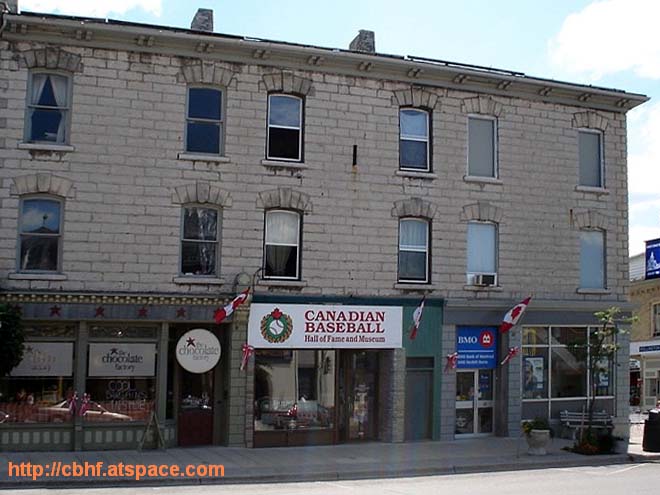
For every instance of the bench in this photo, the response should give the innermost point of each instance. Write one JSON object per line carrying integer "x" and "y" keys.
{"x": 576, "y": 421}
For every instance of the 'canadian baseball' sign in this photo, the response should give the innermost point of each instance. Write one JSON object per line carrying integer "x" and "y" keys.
{"x": 297, "y": 326}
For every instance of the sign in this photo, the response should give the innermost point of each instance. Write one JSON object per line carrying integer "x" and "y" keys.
{"x": 304, "y": 326}
{"x": 649, "y": 348}
{"x": 120, "y": 359}
{"x": 476, "y": 347}
{"x": 45, "y": 359}
{"x": 198, "y": 351}
{"x": 653, "y": 259}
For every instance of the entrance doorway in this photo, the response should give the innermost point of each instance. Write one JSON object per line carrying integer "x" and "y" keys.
{"x": 474, "y": 411}
{"x": 358, "y": 396}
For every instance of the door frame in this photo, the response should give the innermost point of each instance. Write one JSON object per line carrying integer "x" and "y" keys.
{"x": 477, "y": 404}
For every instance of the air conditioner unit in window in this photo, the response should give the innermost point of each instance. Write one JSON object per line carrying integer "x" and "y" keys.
{"x": 484, "y": 279}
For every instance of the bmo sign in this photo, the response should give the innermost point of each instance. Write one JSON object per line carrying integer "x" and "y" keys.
{"x": 476, "y": 347}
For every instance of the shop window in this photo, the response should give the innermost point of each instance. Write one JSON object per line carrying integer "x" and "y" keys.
{"x": 481, "y": 253}
{"x": 535, "y": 373}
{"x": 294, "y": 390}
{"x": 285, "y": 128}
{"x": 48, "y": 108}
{"x": 282, "y": 245}
{"x": 414, "y": 140}
{"x": 655, "y": 317}
{"x": 591, "y": 158}
{"x": 592, "y": 259}
{"x": 40, "y": 238}
{"x": 199, "y": 241}
{"x": 569, "y": 374}
{"x": 413, "y": 250}
{"x": 204, "y": 122}
{"x": 482, "y": 147}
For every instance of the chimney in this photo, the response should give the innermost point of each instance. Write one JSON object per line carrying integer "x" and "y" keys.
{"x": 365, "y": 41}
{"x": 203, "y": 20}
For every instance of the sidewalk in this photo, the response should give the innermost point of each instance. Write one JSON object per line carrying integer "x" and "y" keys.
{"x": 349, "y": 461}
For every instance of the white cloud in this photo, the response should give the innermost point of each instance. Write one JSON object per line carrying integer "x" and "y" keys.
{"x": 90, "y": 8}
{"x": 644, "y": 150}
{"x": 608, "y": 37}
{"x": 637, "y": 237}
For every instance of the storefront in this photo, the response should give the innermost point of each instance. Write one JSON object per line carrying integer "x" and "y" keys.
{"x": 648, "y": 374}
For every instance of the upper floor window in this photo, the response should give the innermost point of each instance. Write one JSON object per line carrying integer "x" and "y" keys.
{"x": 482, "y": 146}
{"x": 48, "y": 108}
{"x": 592, "y": 259}
{"x": 414, "y": 141}
{"x": 204, "y": 121}
{"x": 40, "y": 234}
{"x": 655, "y": 317}
{"x": 282, "y": 244}
{"x": 591, "y": 158}
{"x": 199, "y": 241}
{"x": 482, "y": 253}
{"x": 285, "y": 128}
{"x": 413, "y": 250}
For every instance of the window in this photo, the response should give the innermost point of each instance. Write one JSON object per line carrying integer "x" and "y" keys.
{"x": 413, "y": 250}
{"x": 48, "y": 108}
{"x": 414, "y": 139}
{"x": 482, "y": 147}
{"x": 481, "y": 249}
{"x": 40, "y": 237}
{"x": 592, "y": 259}
{"x": 204, "y": 123}
{"x": 282, "y": 245}
{"x": 284, "y": 127}
{"x": 199, "y": 241}
{"x": 655, "y": 317}
{"x": 591, "y": 158}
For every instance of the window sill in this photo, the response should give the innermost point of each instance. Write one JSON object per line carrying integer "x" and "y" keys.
{"x": 38, "y": 276}
{"x": 198, "y": 281}
{"x": 594, "y": 291}
{"x": 592, "y": 190}
{"x": 291, "y": 284}
{"x": 413, "y": 286}
{"x": 416, "y": 175}
{"x": 60, "y": 148}
{"x": 200, "y": 157}
{"x": 286, "y": 165}
{"x": 483, "y": 288}
{"x": 482, "y": 180}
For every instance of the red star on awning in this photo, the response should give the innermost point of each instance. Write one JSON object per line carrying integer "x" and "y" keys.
{"x": 181, "y": 313}
{"x": 142, "y": 312}
{"x": 55, "y": 310}
{"x": 100, "y": 311}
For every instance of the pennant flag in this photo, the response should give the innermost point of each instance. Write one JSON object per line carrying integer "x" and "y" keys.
{"x": 417, "y": 318}
{"x": 452, "y": 361}
{"x": 222, "y": 313}
{"x": 509, "y": 356}
{"x": 513, "y": 315}
{"x": 248, "y": 350}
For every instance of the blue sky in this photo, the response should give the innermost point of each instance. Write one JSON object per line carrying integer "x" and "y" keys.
{"x": 611, "y": 43}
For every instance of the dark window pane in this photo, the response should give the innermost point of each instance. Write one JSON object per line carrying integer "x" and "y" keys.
{"x": 569, "y": 336}
{"x": 204, "y": 103}
{"x": 281, "y": 261}
{"x": 39, "y": 253}
{"x": 284, "y": 110}
{"x": 481, "y": 148}
{"x": 47, "y": 96}
{"x": 284, "y": 143}
{"x": 203, "y": 137}
{"x": 413, "y": 154}
{"x": 198, "y": 258}
{"x": 412, "y": 265}
{"x": 589, "y": 143}
{"x": 569, "y": 374}
{"x": 200, "y": 224}
{"x": 45, "y": 125}
{"x": 40, "y": 216}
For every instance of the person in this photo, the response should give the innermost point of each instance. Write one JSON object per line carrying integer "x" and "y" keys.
{"x": 531, "y": 383}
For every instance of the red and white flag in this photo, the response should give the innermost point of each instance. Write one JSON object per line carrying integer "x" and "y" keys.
{"x": 513, "y": 315}
{"x": 222, "y": 313}
{"x": 417, "y": 318}
{"x": 513, "y": 351}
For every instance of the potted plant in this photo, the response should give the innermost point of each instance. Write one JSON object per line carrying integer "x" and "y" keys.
{"x": 537, "y": 434}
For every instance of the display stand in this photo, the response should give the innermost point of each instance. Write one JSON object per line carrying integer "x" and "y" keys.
{"x": 151, "y": 424}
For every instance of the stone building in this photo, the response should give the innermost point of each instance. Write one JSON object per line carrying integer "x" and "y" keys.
{"x": 150, "y": 174}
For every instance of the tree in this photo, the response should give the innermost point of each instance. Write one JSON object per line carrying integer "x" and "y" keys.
{"x": 11, "y": 338}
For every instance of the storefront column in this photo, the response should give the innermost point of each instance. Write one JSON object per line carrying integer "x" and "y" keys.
{"x": 80, "y": 376}
{"x": 622, "y": 385}
{"x": 511, "y": 375}
{"x": 393, "y": 397}
{"x": 240, "y": 409}
{"x": 161, "y": 374}
{"x": 448, "y": 394}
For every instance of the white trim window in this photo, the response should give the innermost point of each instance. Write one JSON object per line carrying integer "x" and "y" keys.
{"x": 40, "y": 234}
{"x": 590, "y": 144}
{"x": 414, "y": 140}
{"x": 285, "y": 128}
{"x": 482, "y": 146}
{"x": 199, "y": 241}
{"x": 413, "y": 250}
{"x": 282, "y": 243}
{"x": 655, "y": 318}
{"x": 481, "y": 250}
{"x": 592, "y": 259}
{"x": 204, "y": 121}
{"x": 48, "y": 107}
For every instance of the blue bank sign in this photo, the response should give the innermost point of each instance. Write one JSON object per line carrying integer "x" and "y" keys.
{"x": 653, "y": 258}
{"x": 476, "y": 347}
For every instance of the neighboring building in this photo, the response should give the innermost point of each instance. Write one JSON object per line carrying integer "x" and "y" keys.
{"x": 149, "y": 174}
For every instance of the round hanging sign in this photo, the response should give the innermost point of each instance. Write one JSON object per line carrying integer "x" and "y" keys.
{"x": 198, "y": 351}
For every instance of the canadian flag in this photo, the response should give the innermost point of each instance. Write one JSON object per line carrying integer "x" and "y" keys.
{"x": 513, "y": 315}
{"x": 222, "y": 313}
{"x": 417, "y": 318}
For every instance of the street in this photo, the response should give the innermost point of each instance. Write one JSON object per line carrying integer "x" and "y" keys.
{"x": 606, "y": 480}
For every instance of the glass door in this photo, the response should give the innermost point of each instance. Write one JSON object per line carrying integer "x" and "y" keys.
{"x": 474, "y": 411}
{"x": 358, "y": 396}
